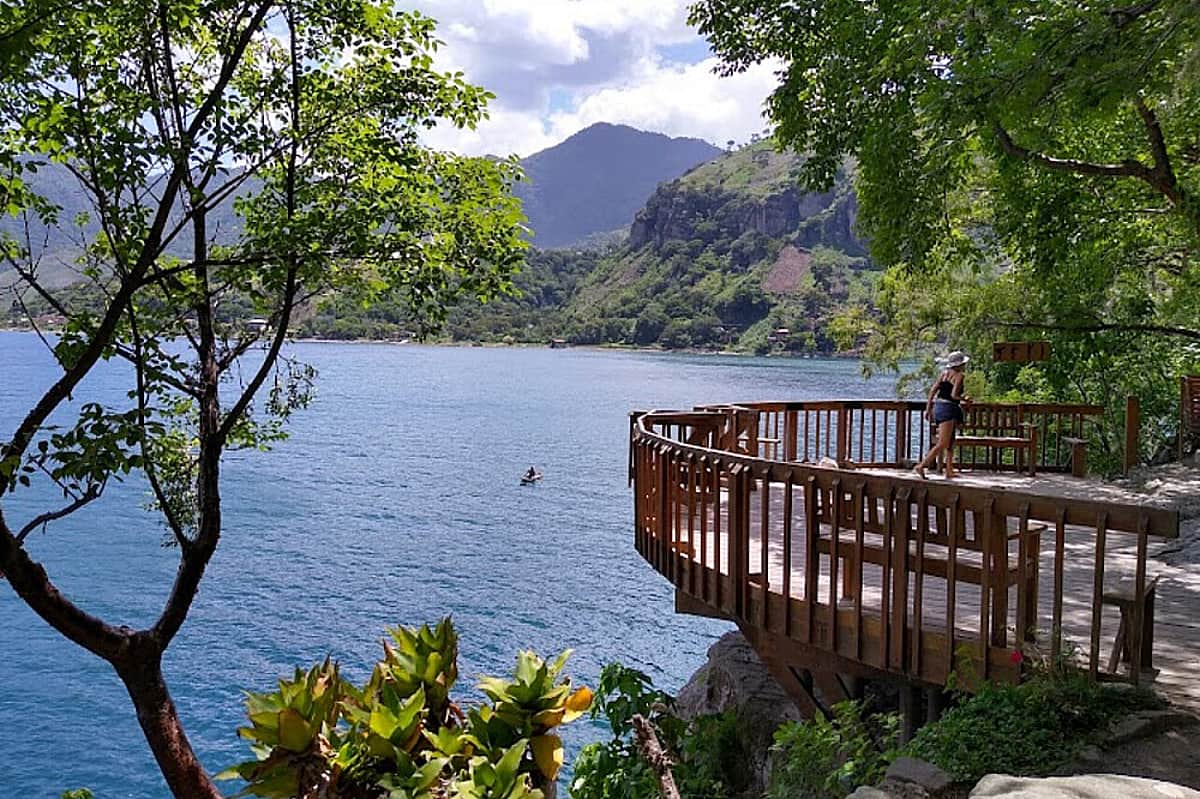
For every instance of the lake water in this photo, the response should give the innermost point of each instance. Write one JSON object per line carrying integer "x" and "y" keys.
{"x": 395, "y": 501}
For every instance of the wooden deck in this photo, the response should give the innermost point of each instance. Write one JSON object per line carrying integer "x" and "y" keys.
{"x": 872, "y": 571}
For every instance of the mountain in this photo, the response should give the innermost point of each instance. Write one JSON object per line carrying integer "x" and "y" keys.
{"x": 595, "y": 181}
{"x": 732, "y": 255}
{"x": 57, "y": 248}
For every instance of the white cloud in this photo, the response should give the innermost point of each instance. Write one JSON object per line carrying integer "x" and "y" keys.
{"x": 558, "y": 66}
{"x": 678, "y": 101}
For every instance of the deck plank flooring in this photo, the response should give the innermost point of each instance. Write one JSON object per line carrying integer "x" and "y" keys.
{"x": 1177, "y": 617}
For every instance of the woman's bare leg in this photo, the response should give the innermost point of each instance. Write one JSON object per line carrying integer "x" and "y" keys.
{"x": 944, "y": 444}
{"x": 939, "y": 447}
{"x": 948, "y": 429}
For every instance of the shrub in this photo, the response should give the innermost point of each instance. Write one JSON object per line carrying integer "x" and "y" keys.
{"x": 1026, "y": 729}
{"x": 708, "y": 753}
{"x": 827, "y": 758}
{"x": 401, "y": 736}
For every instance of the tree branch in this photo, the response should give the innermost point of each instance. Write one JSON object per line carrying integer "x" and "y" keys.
{"x": 655, "y": 756}
{"x": 33, "y": 585}
{"x": 93, "y": 492}
{"x": 1163, "y": 172}
{"x": 1102, "y": 327}
{"x": 1124, "y": 17}
{"x": 147, "y": 462}
{"x": 1130, "y": 167}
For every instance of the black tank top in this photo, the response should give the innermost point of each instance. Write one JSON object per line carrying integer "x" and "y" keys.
{"x": 945, "y": 391}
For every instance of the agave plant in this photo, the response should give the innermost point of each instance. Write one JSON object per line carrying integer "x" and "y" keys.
{"x": 400, "y": 736}
{"x": 292, "y": 733}
{"x": 496, "y": 779}
{"x": 425, "y": 658}
{"x": 534, "y": 702}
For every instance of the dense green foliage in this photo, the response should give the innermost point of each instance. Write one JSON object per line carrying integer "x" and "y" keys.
{"x": 401, "y": 736}
{"x": 1030, "y": 728}
{"x": 1025, "y": 170}
{"x": 721, "y": 258}
{"x": 708, "y": 752}
{"x": 827, "y": 758}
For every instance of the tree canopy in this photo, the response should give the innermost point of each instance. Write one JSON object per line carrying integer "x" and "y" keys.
{"x": 1028, "y": 169}
{"x": 307, "y": 116}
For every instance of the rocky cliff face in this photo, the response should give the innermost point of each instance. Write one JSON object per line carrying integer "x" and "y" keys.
{"x": 735, "y": 679}
{"x": 681, "y": 211}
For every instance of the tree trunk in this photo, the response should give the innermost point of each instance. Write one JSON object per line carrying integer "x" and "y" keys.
{"x": 142, "y": 675}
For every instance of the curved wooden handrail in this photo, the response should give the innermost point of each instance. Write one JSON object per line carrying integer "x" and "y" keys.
{"x": 874, "y": 571}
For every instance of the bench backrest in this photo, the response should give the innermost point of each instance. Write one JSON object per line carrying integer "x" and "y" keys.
{"x": 1190, "y": 410}
{"x": 984, "y": 419}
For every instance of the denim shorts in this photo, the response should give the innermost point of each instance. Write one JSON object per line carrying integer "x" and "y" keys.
{"x": 944, "y": 411}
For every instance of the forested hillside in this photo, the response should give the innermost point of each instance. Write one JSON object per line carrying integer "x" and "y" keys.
{"x": 732, "y": 255}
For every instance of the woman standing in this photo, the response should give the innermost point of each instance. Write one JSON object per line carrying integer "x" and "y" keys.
{"x": 944, "y": 409}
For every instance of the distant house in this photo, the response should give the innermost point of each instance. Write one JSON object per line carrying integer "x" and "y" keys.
{"x": 51, "y": 321}
{"x": 257, "y": 325}
{"x": 779, "y": 335}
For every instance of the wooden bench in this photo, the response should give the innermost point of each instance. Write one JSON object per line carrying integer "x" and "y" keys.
{"x": 1024, "y": 447}
{"x": 1122, "y": 596}
{"x": 1078, "y": 455}
{"x": 937, "y": 565}
{"x": 995, "y": 428}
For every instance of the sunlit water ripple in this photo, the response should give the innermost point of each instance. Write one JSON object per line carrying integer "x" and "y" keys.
{"x": 396, "y": 500}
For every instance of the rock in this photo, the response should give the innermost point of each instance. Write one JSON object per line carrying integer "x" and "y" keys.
{"x": 908, "y": 772}
{"x": 867, "y": 792}
{"x": 1145, "y": 723}
{"x": 735, "y": 679}
{"x": 1085, "y": 786}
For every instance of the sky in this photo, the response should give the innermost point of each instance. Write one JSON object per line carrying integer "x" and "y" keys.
{"x": 557, "y": 66}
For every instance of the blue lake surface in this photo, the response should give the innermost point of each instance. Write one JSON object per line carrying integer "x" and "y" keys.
{"x": 395, "y": 501}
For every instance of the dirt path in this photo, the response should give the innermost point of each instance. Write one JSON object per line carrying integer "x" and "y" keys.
{"x": 1170, "y": 756}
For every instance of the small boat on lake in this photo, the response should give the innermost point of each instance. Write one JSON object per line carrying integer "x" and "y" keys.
{"x": 530, "y": 477}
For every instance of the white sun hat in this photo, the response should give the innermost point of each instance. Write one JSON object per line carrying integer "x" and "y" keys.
{"x": 957, "y": 358}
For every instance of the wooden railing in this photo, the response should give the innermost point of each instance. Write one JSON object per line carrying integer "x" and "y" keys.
{"x": 895, "y": 433}
{"x": 1189, "y": 413}
{"x": 886, "y": 572}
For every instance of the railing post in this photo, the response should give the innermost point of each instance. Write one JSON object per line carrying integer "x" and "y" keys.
{"x": 1183, "y": 416}
{"x": 736, "y": 532}
{"x": 1132, "y": 432}
{"x": 633, "y": 416}
{"x": 664, "y": 510}
{"x": 903, "y": 422}
{"x": 999, "y": 550}
{"x": 900, "y": 520}
{"x": 790, "y": 434}
{"x": 843, "y": 436}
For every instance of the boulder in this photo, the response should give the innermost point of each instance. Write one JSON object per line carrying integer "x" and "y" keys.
{"x": 1144, "y": 723}
{"x": 735, "y": 679}
{"x": 910, "y": 776}
{"x": 1085, "y": 786}
{"x": 867, "y": 792}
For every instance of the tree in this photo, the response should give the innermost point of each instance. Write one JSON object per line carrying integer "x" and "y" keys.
{"x": 306, "y": 116}
{"x": 1040, "y": 157}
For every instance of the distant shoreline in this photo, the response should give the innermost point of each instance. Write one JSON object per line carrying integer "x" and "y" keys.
{"x": 544, "y": 346}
